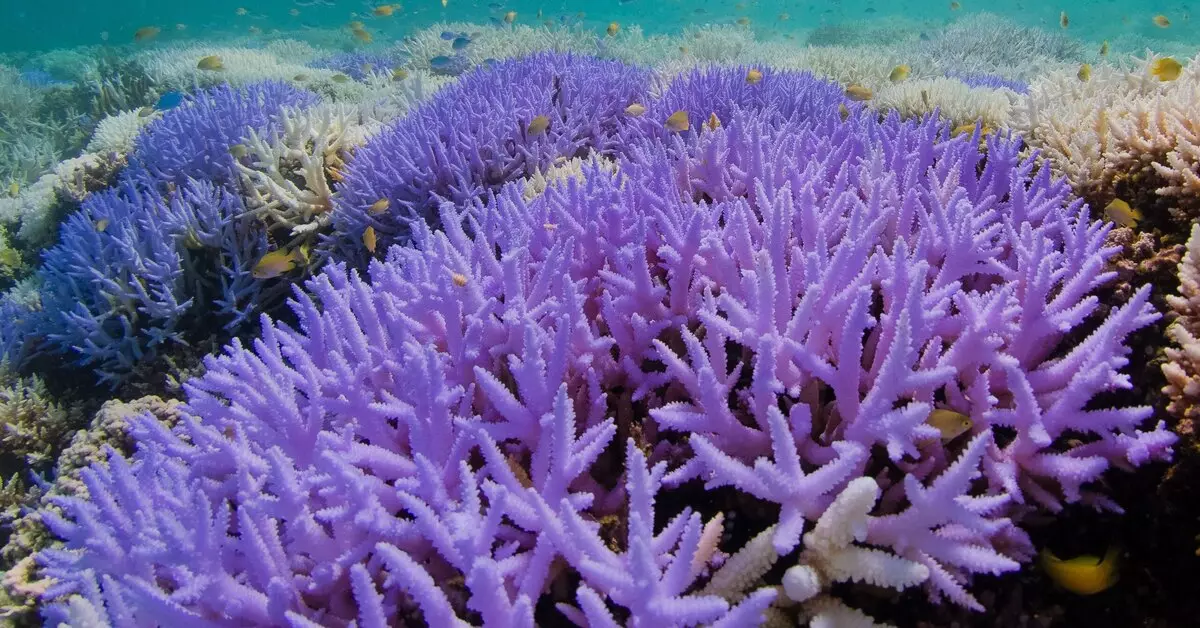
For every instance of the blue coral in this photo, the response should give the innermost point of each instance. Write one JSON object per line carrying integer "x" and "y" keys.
{"x": 993, "y": 81}
{"x": 357, "y": 65}
{"x": 193, "y": 139}
{"x": 472, "y": 138}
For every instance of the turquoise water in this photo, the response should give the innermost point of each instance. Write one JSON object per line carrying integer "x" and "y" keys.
{"x": 45, "y": 25}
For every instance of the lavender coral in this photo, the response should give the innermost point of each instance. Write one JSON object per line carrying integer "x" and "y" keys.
{"x": 474, "y": 136}
{"x": 775, "y": 306}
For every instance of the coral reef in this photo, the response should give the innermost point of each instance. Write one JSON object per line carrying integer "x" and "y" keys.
{"x": 116, "y": 133}
{"x": 1182, "y": 369}
{"x": 540, "y": 391}
{"x": 953, "y": 100}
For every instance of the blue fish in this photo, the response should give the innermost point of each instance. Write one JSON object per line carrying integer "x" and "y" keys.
{"x": 447, "y": 35}
{"x": 460, "y": 42}
{"x": 495, "y": 21}
{"x": 169, "y": 100}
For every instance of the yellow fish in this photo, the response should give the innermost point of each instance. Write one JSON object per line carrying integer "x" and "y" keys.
{"x": 510, "y": 17}
{"x": 383, "y": 10}
{"x": 1104, "y": 48}
{"x": 211, "y": 62}
{"x": 754, "y": 76}
{"x": 713, "y": 123}
{"x": 101, "y": 225}
{"x": 678, "y": 121}
{"x": 636, "y": 109}
{"x": 743, "y": 21}
{"x": 379, "y": 206}
{"x": 238, "y": 151}
{"x": 14, "y": 189}
{"x": 356, "y": 25}
{"x": 1121, "y": 213}
{"x": 276, "y": 263}
{"x": 843, "y": 111}
{"x": 340, "y": 78}
{"x": 300, "y": 78}
{"x": 1166, "y": 69}
{"x": 1161, "y": 21}
{"x": 950, "y": 423}
{"x": 538, "y": 126}
{"x": 969, "y": 128}
{"x": 146, "y": 33}
{"x": 1085, "y": 72}
{"x": 399, "y": 74}
{"x": 1063, "y": 21}
{"x": 612, "y": 29}
{"x": 858, "y": 92}
{"x": 899, "y": 73}
{"x": 1084, "y": 575}
{"x": 362, "y": 35}
{"x": 369, "y": 239}
{"x": 954, "y": 6}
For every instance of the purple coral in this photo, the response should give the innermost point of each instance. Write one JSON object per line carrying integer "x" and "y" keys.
{"x": 193, "y": 139}
{"x": 776, "y": 306}
{"x": 357, "y": 65}
{"x": 993, "y": 81}
{"x": 473, "y": 136}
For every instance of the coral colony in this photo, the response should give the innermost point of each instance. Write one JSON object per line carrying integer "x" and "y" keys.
{"x": 524, "y": 409}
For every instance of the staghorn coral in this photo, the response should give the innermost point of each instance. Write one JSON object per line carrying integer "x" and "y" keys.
{"x": 33, "y": 426}
{"x": 1182, "y": 368}
{"x": 174, "y": 67}
{"x": 116, "y": 133}
{"x": 953, "y": 101}
{"x": 441, "y": 440}
{"x": 985, "y": 43}
{"x": 472, "y": 137}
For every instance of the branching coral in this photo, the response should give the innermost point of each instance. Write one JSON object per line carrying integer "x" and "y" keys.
{"x": 1182, "y": 368}
{"x": 775, "y": 305}
{"x": 984, "y": 43}
{"x": 953, "y": 100}
{"x": 116, "y": 133}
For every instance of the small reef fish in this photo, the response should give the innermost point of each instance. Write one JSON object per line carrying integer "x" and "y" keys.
{"x": 538, "y": 126}
{"x": 754, "y": 76}
{"x": 14, "y": 189}
{"x": 969, "y": 128}
{"x": 441, "y": 62}
{"x": 1083, "y": 575}
{"x": 146, "y": 33}
{"x": 854, "y": 91}
{"x": 399, "y": 74}
{"x": 241, "y": 11}
{"x": 169, "y": 100}
{"x": 459, "y": 279}
{"x": 294, "y": 12}
{"x": 510, "y": 17}
{"x": 101, "y": 225}
{"x": 951, "y": 424}
{"x": 954, "y": 6}
{"x": 678, "y": 122}
{"x": 362, "y": 35}
{"x": 843, "y": 111}
{"x": 460, "y": 42}
{"x": 636, "y": 109}
{"x": 238, "y": 151}
{"x": 1104, "y": 48}
{"x": 384, "y": 10}
{"x": 1085, "y": 72}
{"x": 145, "y": 112}
{"x": 356, "y": 25}
{"x": 447, "y": 35}
{"x": 1121, "y": 213}
{"x": 899, "y": 73}
{"x": 1063, "y": 20}
{"x": 1166, "y": 69}
{"x": 369, "y": 239}
{"x": 340, "y": 78}
{"x": 444, "y": 3}
{"x": 612, "y": 29}
{"x": 783, "y": 17}
{"x": 379, "y": 206}
{"x": 743, "y": 21}
{"x": 1161, "y": 21}
{"x": 276, "y": 263}
{"x": 713, "y": 122}
{"x": 211, "y": 63}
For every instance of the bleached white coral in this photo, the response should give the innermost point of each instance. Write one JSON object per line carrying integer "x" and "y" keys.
{"x": 985, "y": 43}
{"x": 1182, "y": 368}
{"x": 829, "y": 556}
{"x": 1121, "y": 122}
{"x": 116, "y": 133}
{"x": 174, "y": 67}
{"x": 953, "y": 99}
{"x": 560, "y": 172}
